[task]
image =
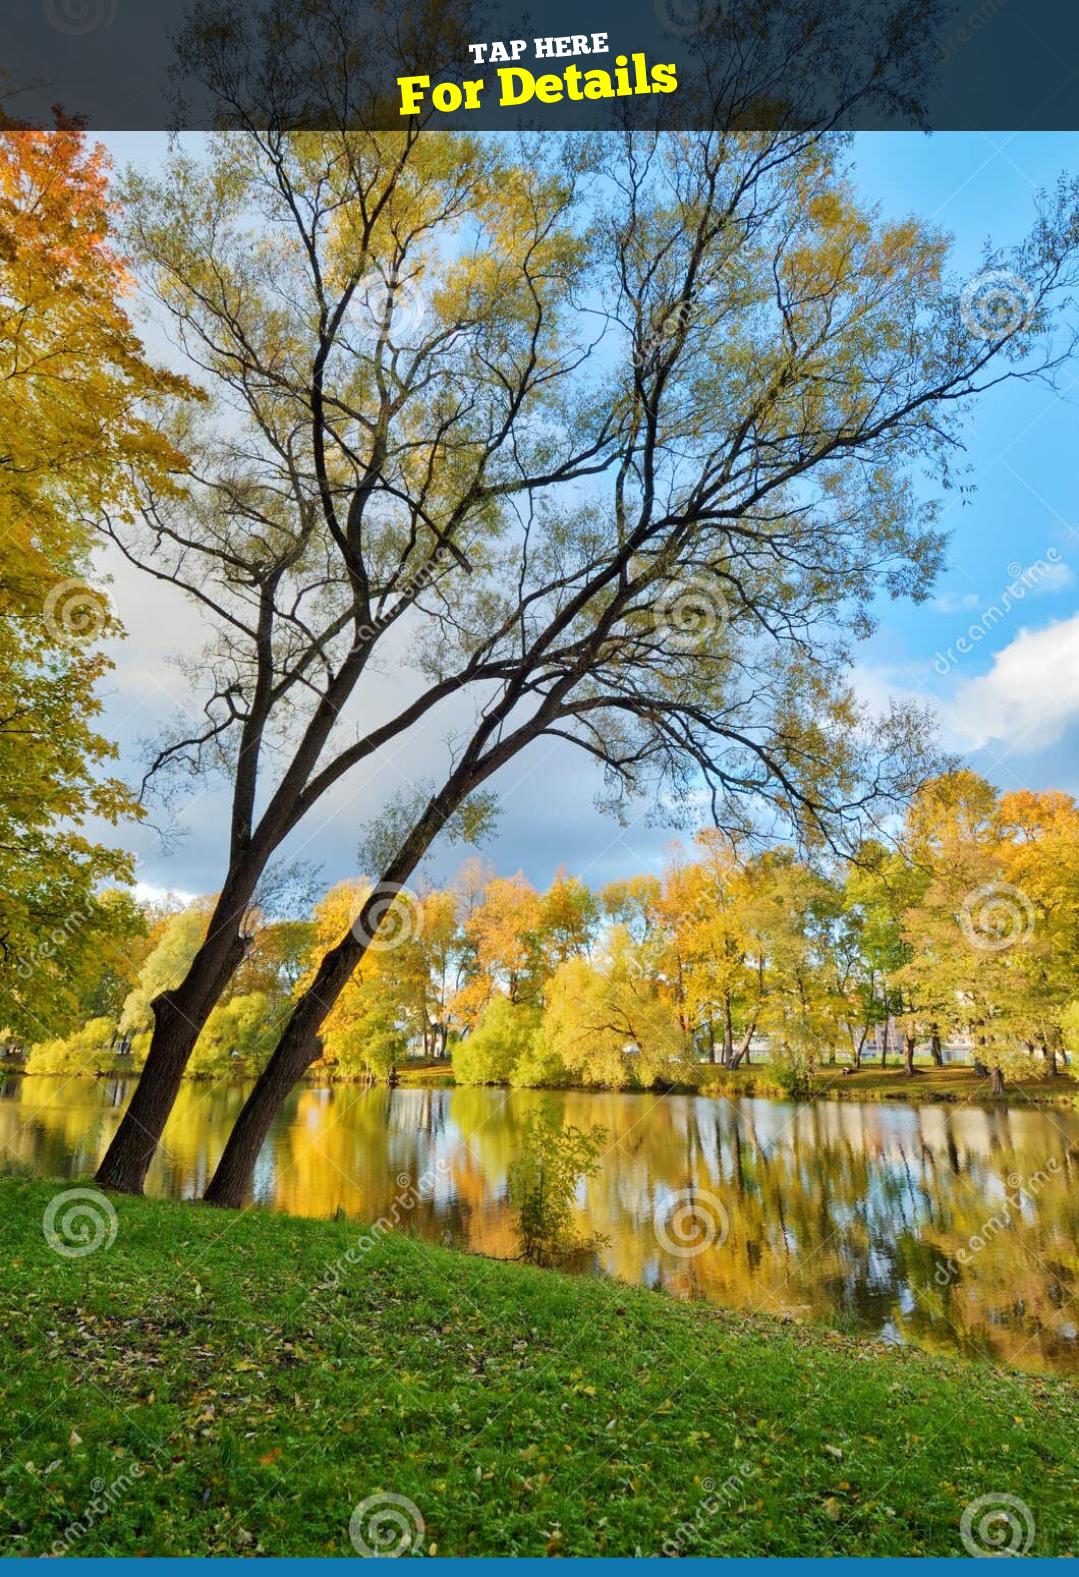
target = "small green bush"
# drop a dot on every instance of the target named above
(543, 1181)
(496, 1046)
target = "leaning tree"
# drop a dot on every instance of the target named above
(610, 445)
(377, 323)
(771, 361)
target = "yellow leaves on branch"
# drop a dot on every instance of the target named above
(77, 396)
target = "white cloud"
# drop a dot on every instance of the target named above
(955, 602)
(1050, 577)
(1029, 697)
(149, 892)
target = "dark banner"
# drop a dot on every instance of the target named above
(674, 64)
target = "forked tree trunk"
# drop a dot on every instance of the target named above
(740, 1053)
(996, 1086)
(728, 1032)
(179, 1016)
(299, 1043)
(127, 1160)
(293, 1055)
(909, 1043)
(858, 1047)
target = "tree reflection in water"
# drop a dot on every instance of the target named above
(955, 1228)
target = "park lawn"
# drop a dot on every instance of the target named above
(956, 1084)
(233, 1384)
(961, 1084)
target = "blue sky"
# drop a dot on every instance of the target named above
(996, 651)
(1011, 701)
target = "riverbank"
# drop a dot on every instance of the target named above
(238, 1384)
(958, 1085)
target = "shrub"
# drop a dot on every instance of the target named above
(543, 1181)
(503, 1036)
(90, 1049)
(238, 1036)
(540, 1067)
(792, 1069)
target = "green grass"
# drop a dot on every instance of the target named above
(234, 1384)
(890, 1083)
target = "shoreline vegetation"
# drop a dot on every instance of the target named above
(306, 1369)
(955, 1083)
(729, 971)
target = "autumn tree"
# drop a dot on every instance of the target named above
(780, 356)
(1039, 857)
(78, 414)
(611, 1021)
(880, 885)
(973, 937)
(502, 948)
(612, 450)
(379, 315)
(178, 938)
(713, 907)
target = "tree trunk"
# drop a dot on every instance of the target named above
(997, 1085)
(128, 1157)
(935, 1047)
(728, 1032)
(179, 1016)
(859, 1046)
(299, 1043)
(742, 1052)
(1050, 1059)
(884, 1046)
(909, 1043)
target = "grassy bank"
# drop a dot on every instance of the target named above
(239, 1384)
(870, 1083)
(874, 1083)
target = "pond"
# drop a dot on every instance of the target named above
(950, 1227)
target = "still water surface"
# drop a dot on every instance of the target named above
(832, 1211)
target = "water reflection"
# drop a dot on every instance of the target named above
(836, 1211)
